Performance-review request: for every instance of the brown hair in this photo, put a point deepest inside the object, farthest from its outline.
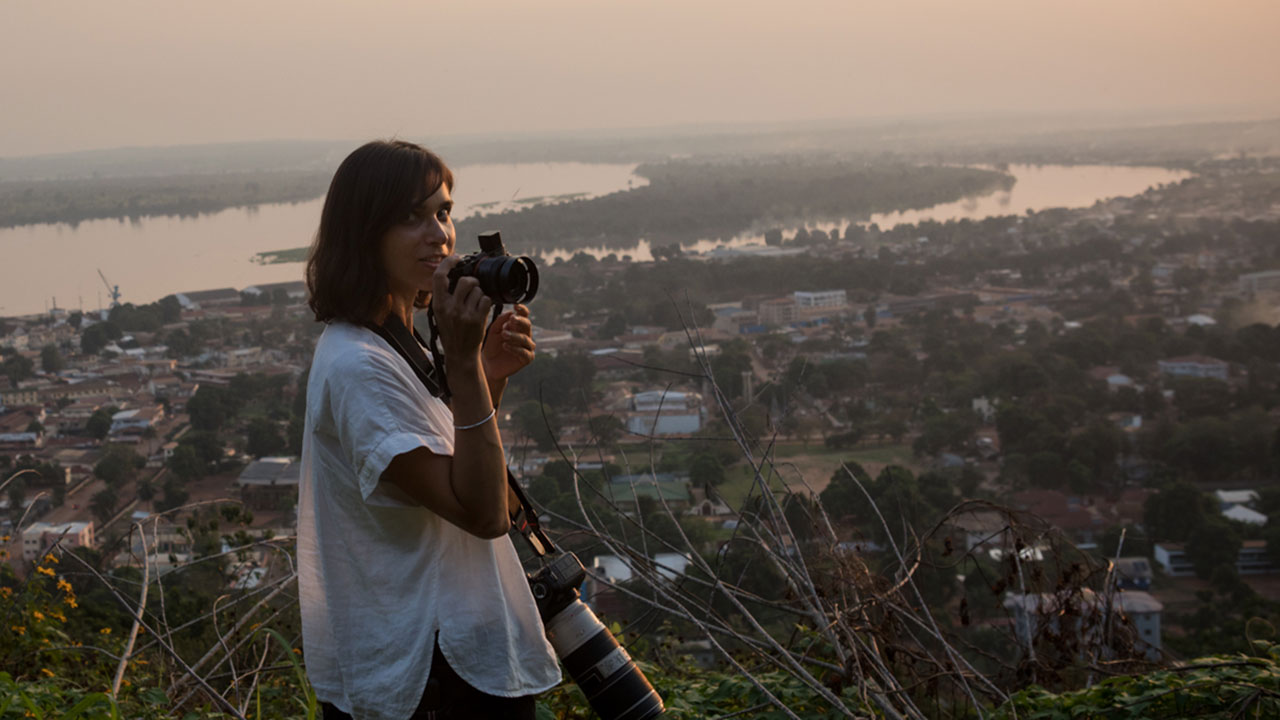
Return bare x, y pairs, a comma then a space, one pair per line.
374, 188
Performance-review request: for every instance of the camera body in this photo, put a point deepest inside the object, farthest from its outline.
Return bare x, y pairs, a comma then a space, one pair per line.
504, 278
613, 684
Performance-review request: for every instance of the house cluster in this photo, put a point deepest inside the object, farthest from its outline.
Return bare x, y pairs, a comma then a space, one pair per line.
58, 416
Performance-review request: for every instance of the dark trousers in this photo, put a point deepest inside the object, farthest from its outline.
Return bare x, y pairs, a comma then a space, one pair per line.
449, 697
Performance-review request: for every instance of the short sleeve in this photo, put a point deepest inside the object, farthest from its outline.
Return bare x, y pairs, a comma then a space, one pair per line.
380, 410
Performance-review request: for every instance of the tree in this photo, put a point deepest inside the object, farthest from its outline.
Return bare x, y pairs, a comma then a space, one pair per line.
531, 422
99, 423
612, 327
17, 494
1213, 544
103, 505
210, 408
17, 368
263, 438
185, 464
118, 465
606, 429
842, 497
95, 337
1173, 513
705, 470
51, 359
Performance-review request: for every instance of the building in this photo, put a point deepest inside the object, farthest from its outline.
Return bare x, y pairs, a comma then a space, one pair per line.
1133, 573
608, 570
270, 483
136, 421
1251, 560
1196, 366
1254, 283
624, 491
820, 299
204, 299
665, 412
294, 290
1035, 613
38, 537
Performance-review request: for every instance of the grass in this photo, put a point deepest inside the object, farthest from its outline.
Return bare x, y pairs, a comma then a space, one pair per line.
815, 464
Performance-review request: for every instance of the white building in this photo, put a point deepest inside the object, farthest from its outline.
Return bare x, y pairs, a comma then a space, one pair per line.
1036, 612
38, 537
661, 412
1198, 366
820, 299
1251, 560
1254, 283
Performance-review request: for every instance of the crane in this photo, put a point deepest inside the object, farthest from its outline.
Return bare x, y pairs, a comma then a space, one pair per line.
113, 290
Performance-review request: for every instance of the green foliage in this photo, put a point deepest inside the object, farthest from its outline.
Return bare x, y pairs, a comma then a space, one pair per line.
95, 337
50, 359
263, 438
99, 423
17, 368
1221, 688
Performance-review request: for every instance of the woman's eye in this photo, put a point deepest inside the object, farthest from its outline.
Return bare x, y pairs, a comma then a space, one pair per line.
443, 214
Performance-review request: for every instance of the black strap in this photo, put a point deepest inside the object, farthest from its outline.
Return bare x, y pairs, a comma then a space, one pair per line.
409, 346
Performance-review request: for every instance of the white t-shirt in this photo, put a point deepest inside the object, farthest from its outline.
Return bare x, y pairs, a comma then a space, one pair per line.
379, 574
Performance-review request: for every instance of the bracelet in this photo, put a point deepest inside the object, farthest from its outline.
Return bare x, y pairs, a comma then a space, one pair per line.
486, 419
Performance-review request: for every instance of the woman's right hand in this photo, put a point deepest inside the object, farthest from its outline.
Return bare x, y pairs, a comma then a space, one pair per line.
461, 316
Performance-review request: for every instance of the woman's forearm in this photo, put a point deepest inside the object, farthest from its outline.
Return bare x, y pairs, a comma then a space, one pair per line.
478, 473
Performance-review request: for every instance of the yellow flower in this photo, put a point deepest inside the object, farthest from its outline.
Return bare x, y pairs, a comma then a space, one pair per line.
47, 671
18, 629
51, 559
297, 651
4, 539
37, 615
44, 571
71, 601
64, 585
105, 631
5, 592
126, 683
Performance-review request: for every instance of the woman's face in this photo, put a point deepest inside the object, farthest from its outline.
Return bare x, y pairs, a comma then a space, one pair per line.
413, 248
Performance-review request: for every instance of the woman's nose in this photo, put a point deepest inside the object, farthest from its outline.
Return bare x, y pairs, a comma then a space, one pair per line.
437, 233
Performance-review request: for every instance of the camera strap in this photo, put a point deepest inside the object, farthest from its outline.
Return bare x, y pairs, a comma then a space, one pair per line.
408, 345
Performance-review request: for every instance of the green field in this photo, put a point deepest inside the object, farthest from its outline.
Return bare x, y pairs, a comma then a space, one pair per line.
815, 465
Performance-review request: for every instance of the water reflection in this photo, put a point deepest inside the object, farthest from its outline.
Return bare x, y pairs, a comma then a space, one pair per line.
1038, 187
150, 257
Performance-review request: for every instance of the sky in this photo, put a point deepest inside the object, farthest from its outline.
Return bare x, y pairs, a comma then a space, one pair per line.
86, 74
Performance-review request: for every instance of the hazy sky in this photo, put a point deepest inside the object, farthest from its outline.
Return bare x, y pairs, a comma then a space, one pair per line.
79, 74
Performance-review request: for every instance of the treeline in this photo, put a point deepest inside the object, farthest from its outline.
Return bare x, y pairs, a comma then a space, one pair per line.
686, 201
75, 201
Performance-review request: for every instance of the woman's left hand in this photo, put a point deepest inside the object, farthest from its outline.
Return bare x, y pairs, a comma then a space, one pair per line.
509, 345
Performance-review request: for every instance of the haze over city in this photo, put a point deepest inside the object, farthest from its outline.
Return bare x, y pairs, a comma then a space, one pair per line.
905, 359
143, 72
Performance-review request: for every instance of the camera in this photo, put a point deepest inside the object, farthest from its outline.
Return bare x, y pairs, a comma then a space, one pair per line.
505, 279
613, 684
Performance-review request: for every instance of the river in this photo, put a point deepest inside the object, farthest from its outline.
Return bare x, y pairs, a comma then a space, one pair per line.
153, 257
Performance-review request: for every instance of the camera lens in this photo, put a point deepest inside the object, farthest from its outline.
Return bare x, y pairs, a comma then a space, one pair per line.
607, 675
509, 279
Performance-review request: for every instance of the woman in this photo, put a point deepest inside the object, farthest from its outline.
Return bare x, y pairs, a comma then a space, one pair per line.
406, 571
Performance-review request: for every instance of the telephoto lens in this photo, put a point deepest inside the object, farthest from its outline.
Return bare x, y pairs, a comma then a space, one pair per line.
614, 685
